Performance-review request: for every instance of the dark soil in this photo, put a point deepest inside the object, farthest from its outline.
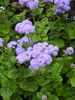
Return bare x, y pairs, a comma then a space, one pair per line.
72, 11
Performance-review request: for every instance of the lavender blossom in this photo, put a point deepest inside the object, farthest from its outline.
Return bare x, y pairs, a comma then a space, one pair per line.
23, 57
32, 4
25, 27
72, 65
11, 44
39, 55
69, 50
44, 97
24, 39
22, 2
49, 1
55, 53
62, 6
19, 50
29, 3
1, 42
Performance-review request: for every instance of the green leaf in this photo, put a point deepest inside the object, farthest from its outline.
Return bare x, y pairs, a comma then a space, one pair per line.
71, 98
72, 81
35, 98
58, 42
29, 85
39, 94
13, 59
6, 93
39, 11
53, 26
45, 20
73, 44
6, 38
16, 97
56, 80
24, 85
12, 73
36, 38
32, 87
6, 2
42, 81
44, 38
71, 34
61, 26
53, 97
10, 13
26, 72
6, 31
5, 82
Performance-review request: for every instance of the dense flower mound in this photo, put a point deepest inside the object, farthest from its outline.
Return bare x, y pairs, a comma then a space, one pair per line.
29, 3
1, 42
25, 27
62, 6
69, 50
39, 55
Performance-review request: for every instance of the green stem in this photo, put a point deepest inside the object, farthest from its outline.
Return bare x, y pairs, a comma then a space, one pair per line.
33, 14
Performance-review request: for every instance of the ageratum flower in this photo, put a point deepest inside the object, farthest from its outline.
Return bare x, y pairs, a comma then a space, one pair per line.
49, 1
24, 40
11, 44
19, 50
62, 6
29, 3
25, 27
39, 55
69, 50
72, 65
1, 42
23, 57
44, 97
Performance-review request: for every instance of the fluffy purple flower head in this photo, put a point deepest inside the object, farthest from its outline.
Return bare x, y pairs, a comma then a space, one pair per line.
33, 64
22, 2
32, 4
11, 44
23, 57
69, 50
72, 65
29, 3
19, 50
55, 53
41, 61
44, 97
39, 55
25, 27
1, 42
49, 1
24, 39
62, 6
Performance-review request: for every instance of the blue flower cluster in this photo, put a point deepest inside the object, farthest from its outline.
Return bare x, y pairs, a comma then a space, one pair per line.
19, 43
1, 42
69, 50
25, 27
29, 3
62, 6
39, 55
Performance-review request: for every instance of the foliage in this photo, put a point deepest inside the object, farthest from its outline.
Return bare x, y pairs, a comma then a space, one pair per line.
55, 81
